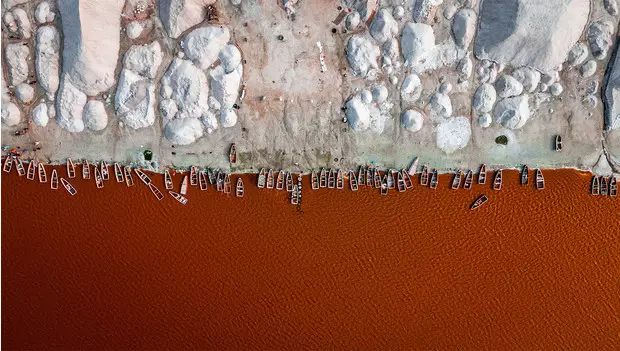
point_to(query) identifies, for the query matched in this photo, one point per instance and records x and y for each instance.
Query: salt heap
(453, 134)
(383, 26)
(512, 112)
(358, 114)
(11, 115)
(362, 55)
(464, 27)
(16, 58)
(95, 117)
(47, 59)
(40, 115)
(203, 45)
(177, 16)
(600, 38)
(531, 33)
(412, 120)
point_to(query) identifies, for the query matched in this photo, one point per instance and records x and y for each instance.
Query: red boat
(42, 173)
(70, 168)
(54, 181)
(482, 176)
(469, 178)
(32, 167)
(156, 191)
(128, 177)
(497, 182)
(98, 178)
(180, 198)
(68, 186)
(479, 202)
(85, 170)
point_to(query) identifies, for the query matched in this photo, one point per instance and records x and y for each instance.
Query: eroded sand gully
(438, 81)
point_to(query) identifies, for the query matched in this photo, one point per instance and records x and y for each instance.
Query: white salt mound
(379, 94)
(95, 116)
(177, 16)
(484, 98)
(16, 58)
(24, 92)
(230, 58)
(134, 103)
(531, 33)
(225, 87)
(70, 105)
(507, 86)
(209, 120)
(464, 67)
(600, 38)
(366, 96)
(42, 11)
(556, 89)
(189, 87)
(398, 12)
(577, 55)
(11, 115)
(228, 118)
(183, 131)
(202, 45)
(588, 69)
(412, 120)
(383, 26)
(417, 39)
(439, 107)
(528, 77)
(9, 21)
(47, 59)
(144, 59)
(512, 112)
(134, 29)
(352, 21)
(40, 115)
(358, 115)
(453, 134)
(168, 108)
(611, 6)
(464, 27)
(362, 55)
(484, 120)
(23, 23)
(411, 89)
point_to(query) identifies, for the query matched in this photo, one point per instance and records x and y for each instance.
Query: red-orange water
(114, 268)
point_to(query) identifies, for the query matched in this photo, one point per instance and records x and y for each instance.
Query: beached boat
(184, 185)
(19, 167)
(479, 202)
(227, 185)
(323, 179)
(8, 164)
(314, 180)
(400, 182)
(32, 167)
(340, 180)
(105, 171)
(42, 173)
(603, 186)
(98, 178)
(232, 155)
(613, 186)
(368, 177)
(270, 180)
(143, 177)
(407, 179)
(377, 177)
(424, 176)
(202, 178)
(392, 175)
(261, 178)
(353, 181)
(331, 181)
(85, 170)
(456, 182)
(295, 195)
(280, 180)
(70, 169)
(118, 173)
(212, 178)
(361, 176)
(596, 188)
(54, 181)
(434, 179)
(482, 175)
(558, 143)
(525, 175)
(289, 182)
(70, 189)
(193, 176)
(497, 181)
(414, 166)
(540, 180)
(180, 198)
(384, 185)
(168, 180)
(128, 176)
(156, 191)
(240, 189)
(469, 179)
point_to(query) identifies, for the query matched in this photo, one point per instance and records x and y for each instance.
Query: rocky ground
(301, 84)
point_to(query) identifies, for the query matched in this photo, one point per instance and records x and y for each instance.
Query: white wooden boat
(54, 181)
(68, 186)
(156, 191)
(143, 177)
(128, 176)
(70, 169)
(42, 173)
(180, 198)
(85, 170)
(184, 185)
(262, 178)
(98, 178)
(32, 170)
(239, 188)
(105, 171)
(118, 173)
(202, 179)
